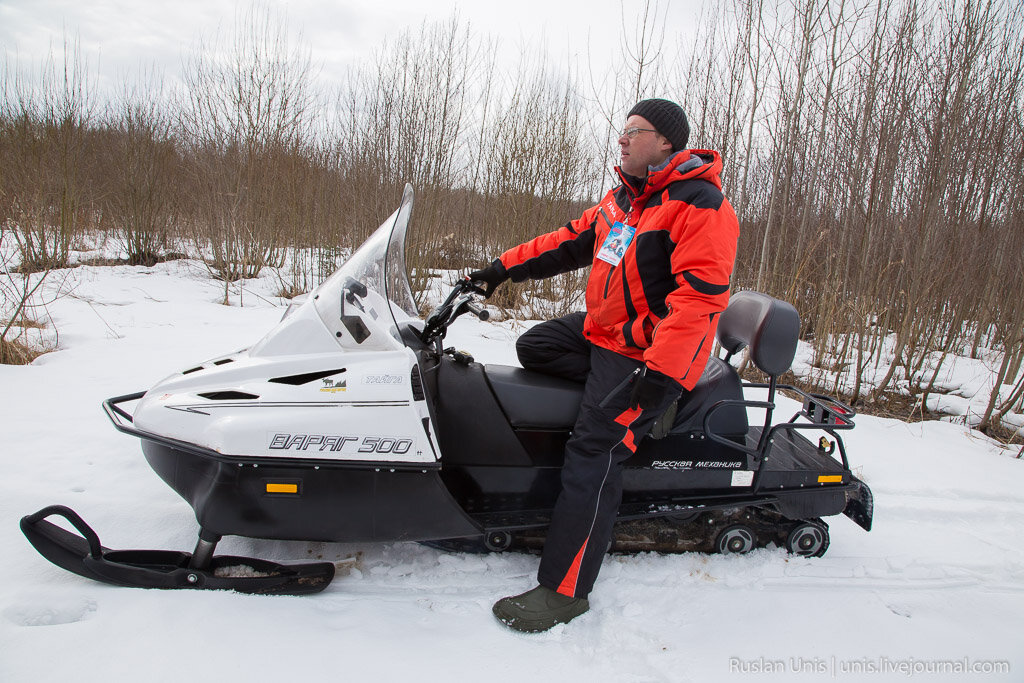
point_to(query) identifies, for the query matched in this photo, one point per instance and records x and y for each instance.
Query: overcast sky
(118, 37)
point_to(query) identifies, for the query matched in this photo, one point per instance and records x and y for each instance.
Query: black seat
(718, 383)
(534, 400)
(768, 326)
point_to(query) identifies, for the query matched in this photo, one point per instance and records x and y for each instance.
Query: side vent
(417, 384)
(306, 378)
(228, 395)
(222, 361)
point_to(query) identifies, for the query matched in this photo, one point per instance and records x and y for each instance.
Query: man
(648, 331)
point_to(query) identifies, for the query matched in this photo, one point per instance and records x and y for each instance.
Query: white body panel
(366, 413)
(332, 381)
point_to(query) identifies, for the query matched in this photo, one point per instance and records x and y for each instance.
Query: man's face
(645, 149)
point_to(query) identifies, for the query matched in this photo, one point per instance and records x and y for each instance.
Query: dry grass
(16, 353)
(13, 351)
(30, 324)
(290, 291)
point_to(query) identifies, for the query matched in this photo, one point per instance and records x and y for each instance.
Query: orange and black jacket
(660, 304)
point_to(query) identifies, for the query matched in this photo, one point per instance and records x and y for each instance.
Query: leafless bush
(245, 125)
(538, 167)
(404, 120)
(20, 301)
(44, 135)
(18, 291)
(140, 169)
(495, 159)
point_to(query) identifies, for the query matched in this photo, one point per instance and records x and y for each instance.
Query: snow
(962, 385)
(937, 586)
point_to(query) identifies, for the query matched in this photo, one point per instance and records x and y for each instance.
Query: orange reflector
(830, 479)
(282, 488)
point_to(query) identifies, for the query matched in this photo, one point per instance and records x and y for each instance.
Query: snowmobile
(350, 421)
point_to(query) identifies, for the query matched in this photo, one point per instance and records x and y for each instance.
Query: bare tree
(249, 107)
(44, 127)
(140, 171)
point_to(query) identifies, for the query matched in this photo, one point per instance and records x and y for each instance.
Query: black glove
(650, 389)
(493, 275)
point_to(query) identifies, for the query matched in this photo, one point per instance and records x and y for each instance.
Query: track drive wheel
(808, 538)
(736, 538)
(498, 541)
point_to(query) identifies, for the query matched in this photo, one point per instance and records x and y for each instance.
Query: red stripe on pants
(568, 585)
(626, 419)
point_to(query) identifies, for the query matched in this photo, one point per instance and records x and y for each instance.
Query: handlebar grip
(481, 313)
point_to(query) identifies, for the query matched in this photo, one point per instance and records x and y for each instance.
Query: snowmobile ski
(83, 555)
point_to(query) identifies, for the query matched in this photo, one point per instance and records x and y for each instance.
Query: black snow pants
(606, 434)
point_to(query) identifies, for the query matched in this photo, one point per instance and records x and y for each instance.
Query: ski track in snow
(941, 576)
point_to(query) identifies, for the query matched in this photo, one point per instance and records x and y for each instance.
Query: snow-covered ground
(961, 390)
(936, 587)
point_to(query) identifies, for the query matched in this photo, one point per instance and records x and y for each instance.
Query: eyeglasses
(633, 132)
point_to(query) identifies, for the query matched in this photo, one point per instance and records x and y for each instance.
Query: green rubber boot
(538, 610)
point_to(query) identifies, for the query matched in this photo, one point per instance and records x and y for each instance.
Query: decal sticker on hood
(383, 379)
(332, 387)
(343, 444)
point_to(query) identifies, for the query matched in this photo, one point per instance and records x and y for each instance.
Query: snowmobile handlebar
(482, 313)
(458, 302)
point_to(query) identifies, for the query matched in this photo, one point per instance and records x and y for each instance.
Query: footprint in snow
(900, 611)
(49, 613)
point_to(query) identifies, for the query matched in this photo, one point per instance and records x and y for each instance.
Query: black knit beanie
(667, 118)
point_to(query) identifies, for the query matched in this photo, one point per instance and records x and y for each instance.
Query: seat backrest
(769, 326)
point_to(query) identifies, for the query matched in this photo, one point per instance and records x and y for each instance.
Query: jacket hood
(685, 164)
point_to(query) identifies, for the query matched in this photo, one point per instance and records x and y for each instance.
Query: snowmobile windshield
(366, 299)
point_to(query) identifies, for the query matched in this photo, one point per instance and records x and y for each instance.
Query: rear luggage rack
(821, 412)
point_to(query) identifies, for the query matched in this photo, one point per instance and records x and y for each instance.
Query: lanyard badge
(616, 243)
